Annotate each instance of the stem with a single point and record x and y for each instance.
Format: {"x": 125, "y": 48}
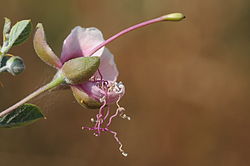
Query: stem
{"x": 3, "y": 69}
{"x": 55, "y": 82}
{"x": 159, "y": 19}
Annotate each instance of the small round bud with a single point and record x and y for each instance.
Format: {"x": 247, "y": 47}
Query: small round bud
{"x": 15, "y": 65}
{"x": 173, "y": 17}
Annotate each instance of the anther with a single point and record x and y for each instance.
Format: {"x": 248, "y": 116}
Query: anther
{"x": 93, "y": 120}
{"x": 124, "y": 154}
{"x": 124, "y": 116}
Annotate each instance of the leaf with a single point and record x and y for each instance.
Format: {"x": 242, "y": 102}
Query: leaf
{"x": 18, "y": 34}
{"x": 6, "y": 27}
{"x": 23, "y": 115}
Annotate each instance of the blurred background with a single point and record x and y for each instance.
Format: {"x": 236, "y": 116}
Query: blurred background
{"x": 187, "y": 86}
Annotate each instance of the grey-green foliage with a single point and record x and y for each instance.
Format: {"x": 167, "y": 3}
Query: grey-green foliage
{"x": 23, "y": 115}
{"x": 6, "y": 27}
{"x": 17, "y": 35}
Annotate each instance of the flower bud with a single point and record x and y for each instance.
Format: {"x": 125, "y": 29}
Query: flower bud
{"x": 78, "y": 70}
{"x": 173, "y": 17}
{"x": 13, "y": 64}
{"x": 84, "y": 99}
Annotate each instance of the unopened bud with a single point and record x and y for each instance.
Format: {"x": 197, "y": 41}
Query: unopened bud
{"x": 173, "y": 17}
{"x": 14, "y": 64}
{"x": 81, "y": 69}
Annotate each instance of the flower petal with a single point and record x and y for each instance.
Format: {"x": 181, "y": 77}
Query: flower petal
{"x": 107, "y": 67}
{"x": 80, "y": 41}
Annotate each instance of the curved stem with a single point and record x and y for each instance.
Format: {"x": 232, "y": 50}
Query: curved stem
{"x": 168, "y": 17}
{"x": 122, "y": 33}
{"x": 55, "y": 82}
{"x": 3, "y": 69}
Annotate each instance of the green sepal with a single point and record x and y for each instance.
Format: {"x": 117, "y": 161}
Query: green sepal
{"x": 43, "y": 50}
{"x": 21, "y": 116}
{"x": 78, "y": 70}
{"x": 84, "y": 99}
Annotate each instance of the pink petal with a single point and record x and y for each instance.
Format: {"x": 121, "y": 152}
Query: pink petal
{"x": 80, "y": 41}
{"x": 107, "y": 67}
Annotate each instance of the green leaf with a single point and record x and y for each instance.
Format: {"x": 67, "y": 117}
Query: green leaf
{"x": 23, "y": 115}
{"x": 6, "y": 27}
{"x": 18, "y": 34}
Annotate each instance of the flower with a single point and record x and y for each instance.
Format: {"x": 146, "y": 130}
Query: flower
{"x": 103, "y": 83}
{"x": 89, "y": 69}
{"x": 100, "y": 90}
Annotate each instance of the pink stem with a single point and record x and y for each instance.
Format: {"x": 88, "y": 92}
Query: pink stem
{"x": 123, "y": 32}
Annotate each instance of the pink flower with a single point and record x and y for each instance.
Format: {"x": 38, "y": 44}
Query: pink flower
{"x": 101, "y": 89}
{"x": 89, "y": 69}
{"x": 102, "y": 85}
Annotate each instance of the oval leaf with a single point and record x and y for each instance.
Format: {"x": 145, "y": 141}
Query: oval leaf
{"x": 23, "y": 115}
{"x": 20, "y": 32}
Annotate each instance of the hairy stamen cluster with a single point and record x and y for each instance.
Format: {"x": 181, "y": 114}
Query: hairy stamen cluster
{"x": 104, "y": 118}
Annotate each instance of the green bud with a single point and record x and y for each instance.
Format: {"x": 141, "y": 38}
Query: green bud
{"x": 15, "y": 65}
{"x": 173, "y": 17}
{"x": 78, "y": 70}
{"x": 84, "y": 99}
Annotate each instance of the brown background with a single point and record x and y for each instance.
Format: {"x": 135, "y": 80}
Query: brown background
{"x": 187, "y": 86}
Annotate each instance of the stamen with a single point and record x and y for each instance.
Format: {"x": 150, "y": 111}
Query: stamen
{"x": 108, "y": 87}
{"x": 121, "y": 110}
{"x": 107, "y": 113}
{"x": 110, "y": 119}
{"x": 93, "y": 120}
{"x": 119, "y": 142}
{"x": 99, "y": 117}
